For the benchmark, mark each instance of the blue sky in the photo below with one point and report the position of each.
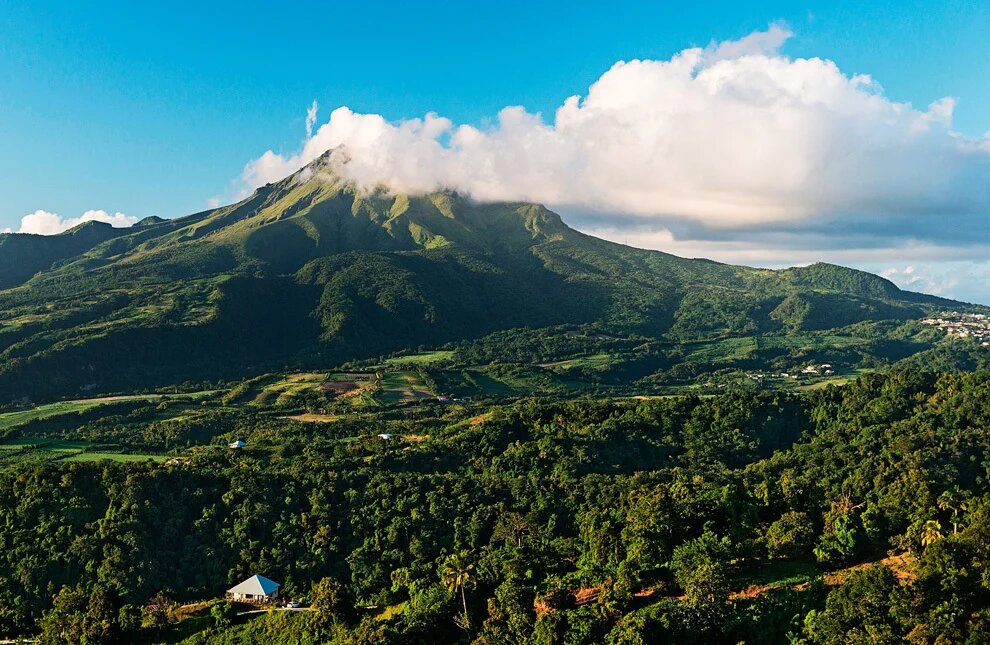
(154, 108)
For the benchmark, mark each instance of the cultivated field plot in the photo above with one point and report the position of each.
(12, 419)
(471, 382)
(422, 359)
(312, 417)
(353, 389)
(403, 387)
(726, 350)
(342, 384)
(27, 449)
(594, 362)
(281, 392)
(838, 379)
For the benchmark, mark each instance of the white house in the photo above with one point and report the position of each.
(255, 589)
(238, 444)
(385, 436)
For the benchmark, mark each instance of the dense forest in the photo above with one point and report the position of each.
(858, 513)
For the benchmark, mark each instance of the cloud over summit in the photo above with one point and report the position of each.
(733, 135)
(734, 151)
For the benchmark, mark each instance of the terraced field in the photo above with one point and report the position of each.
(403, 387)
(281, 392)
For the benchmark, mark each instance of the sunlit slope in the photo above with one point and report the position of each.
(312, 270)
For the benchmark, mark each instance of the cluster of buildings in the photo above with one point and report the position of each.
(443, 398)
(815, 370)
(825, 369)
(974, 326)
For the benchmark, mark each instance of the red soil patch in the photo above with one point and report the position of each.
(339, 388)
(902, 566)
(584, 595)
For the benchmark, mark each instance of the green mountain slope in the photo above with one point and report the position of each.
(22, 255)
(310, 271)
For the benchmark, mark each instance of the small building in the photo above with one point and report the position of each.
(238, 444)
(384, 436)
(257, 589)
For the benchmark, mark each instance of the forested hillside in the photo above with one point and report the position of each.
(311, 272)
(848, 514)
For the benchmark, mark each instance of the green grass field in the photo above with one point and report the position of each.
(840, 379)
(28, 449)
(595, 362)
(111, 456)
(12, 419)
(422, 359)
(722, 351)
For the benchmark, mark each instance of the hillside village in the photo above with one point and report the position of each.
(975, 326)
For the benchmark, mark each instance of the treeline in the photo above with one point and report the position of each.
(573, 522)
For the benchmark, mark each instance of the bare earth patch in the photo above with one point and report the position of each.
(313, 418)
(902, 566)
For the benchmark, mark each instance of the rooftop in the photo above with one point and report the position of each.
(256, 585)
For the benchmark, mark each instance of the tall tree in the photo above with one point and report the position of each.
(456, 572)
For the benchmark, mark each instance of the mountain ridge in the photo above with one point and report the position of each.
(311, 270)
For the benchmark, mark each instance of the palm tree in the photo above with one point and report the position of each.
(456, 574)
(952, 500)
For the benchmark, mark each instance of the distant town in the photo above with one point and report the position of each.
(975, 326)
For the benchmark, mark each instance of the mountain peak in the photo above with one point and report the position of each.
(151, 220)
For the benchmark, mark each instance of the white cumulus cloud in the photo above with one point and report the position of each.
(42, 222)
(733, 135)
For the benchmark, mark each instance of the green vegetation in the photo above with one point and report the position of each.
(422, 359)
(749, 516)
(14, 452)
(467, 422)
(10, 420)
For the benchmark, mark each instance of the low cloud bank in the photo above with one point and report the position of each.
(42, 222)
